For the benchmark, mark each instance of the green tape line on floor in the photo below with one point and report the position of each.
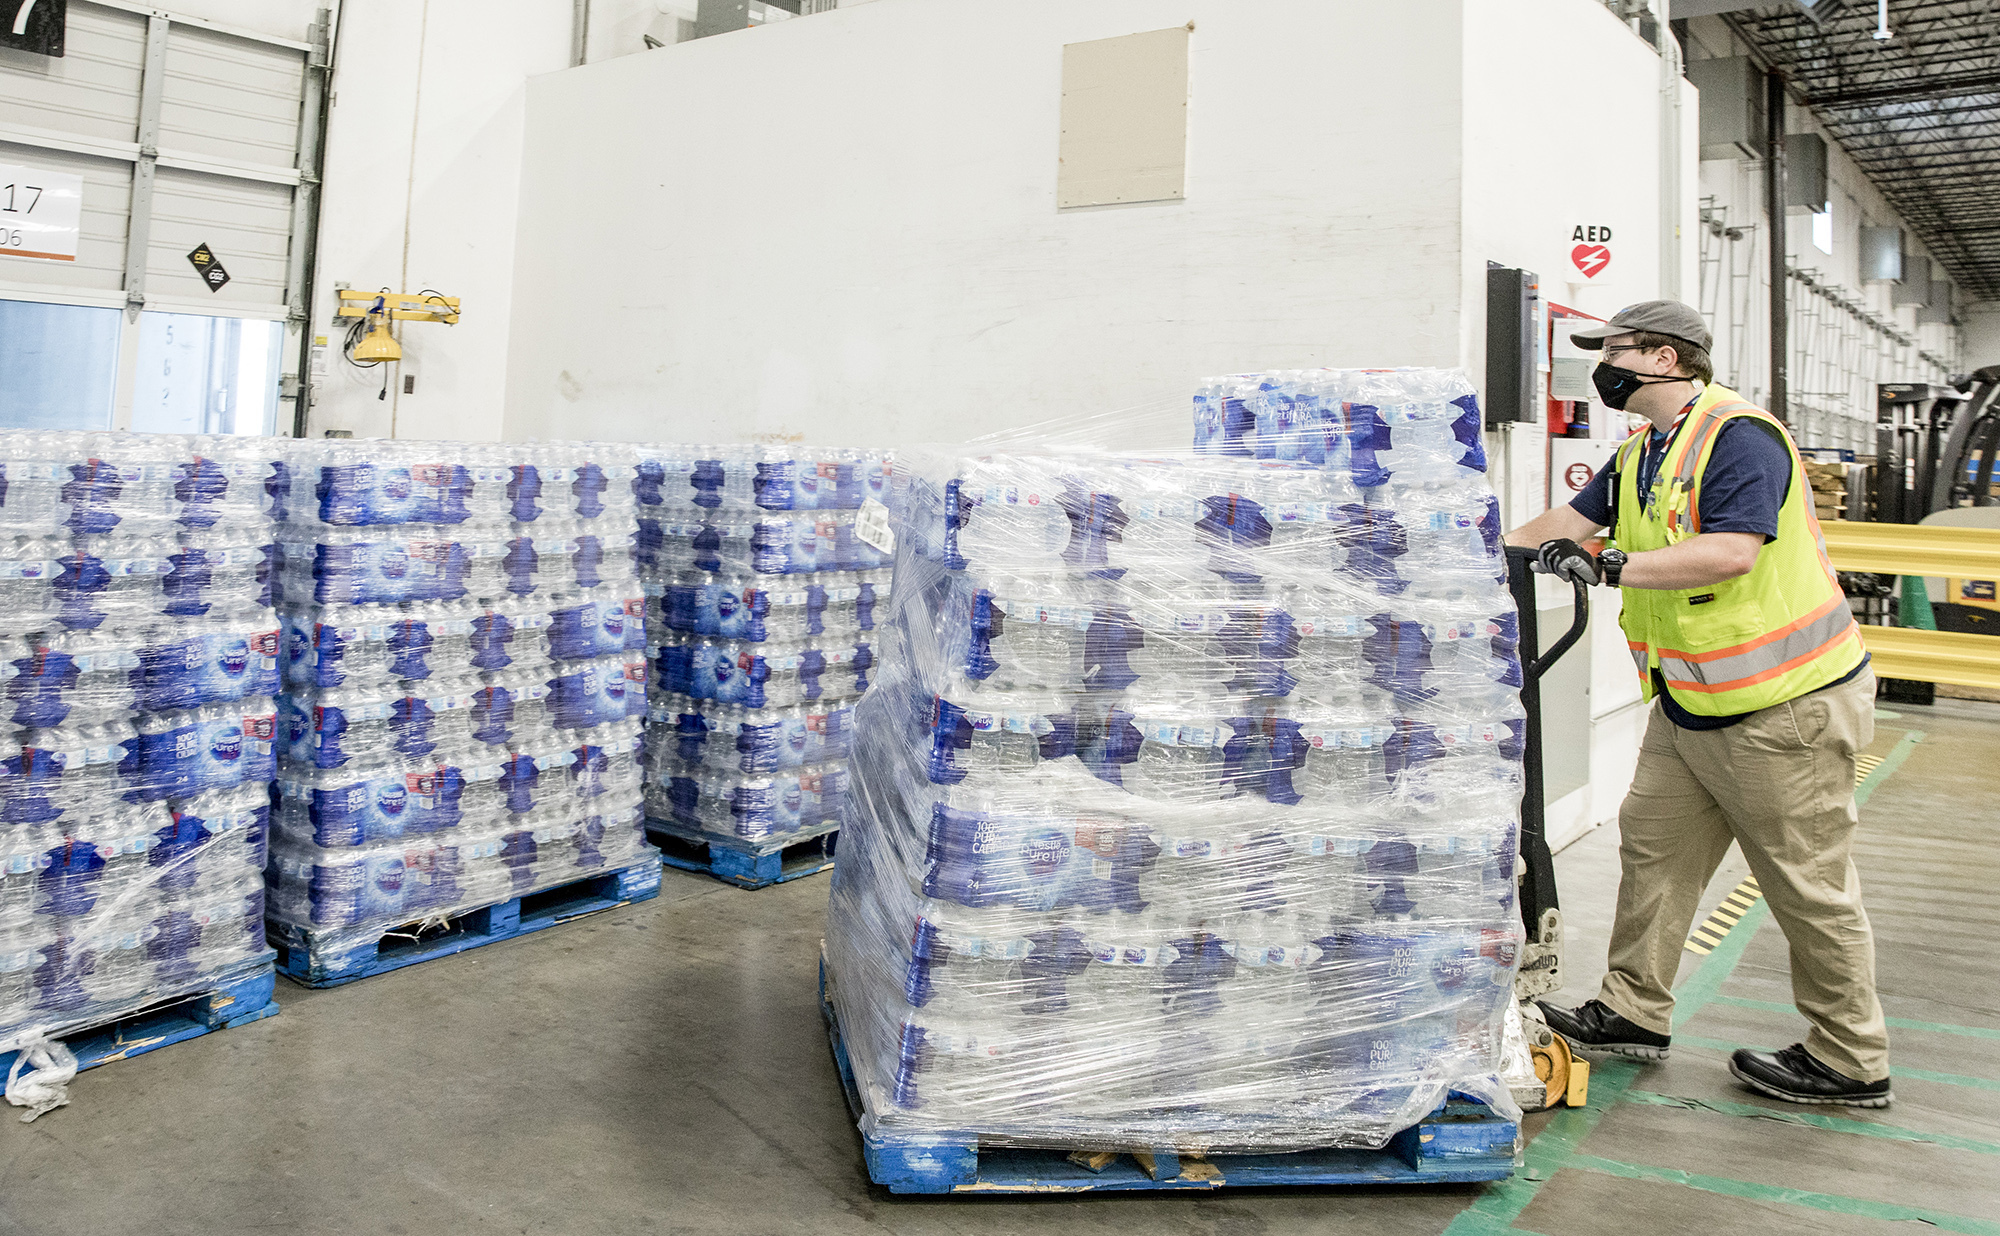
(1832, 1203)
(1503, 1201)
(1895, 1023)
(1890, 763)
(1814, 1120)
(1948, 1079)
(1556, 1146)
(1705, 983)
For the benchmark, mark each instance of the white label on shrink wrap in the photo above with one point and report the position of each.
(1411, 413)
(1332, 625)
(871, 524)
(1027, 723)
(1319, 845)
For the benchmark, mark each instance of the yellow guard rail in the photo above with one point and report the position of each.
(1949, 657)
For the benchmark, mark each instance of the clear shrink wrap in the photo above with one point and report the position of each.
(138, 720)
(464, 680)
(763, 598)
(1183, 808)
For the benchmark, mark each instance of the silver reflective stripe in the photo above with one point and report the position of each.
(1639, 659)
(1736, 669)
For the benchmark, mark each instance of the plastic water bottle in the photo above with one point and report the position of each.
(1016, 632)
(223, 481)
(35, 466)
(29, 566)
(1223, 424)
(338, 646)
(329, 728)
(110, 579)
(1009, 514)
(75, 676)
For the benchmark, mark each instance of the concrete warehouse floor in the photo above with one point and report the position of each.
(662, 1068)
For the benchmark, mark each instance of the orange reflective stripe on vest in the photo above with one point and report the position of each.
(1763, 658)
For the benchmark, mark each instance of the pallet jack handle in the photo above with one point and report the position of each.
(1540, 908)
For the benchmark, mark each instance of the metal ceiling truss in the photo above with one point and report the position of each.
(1918, 112)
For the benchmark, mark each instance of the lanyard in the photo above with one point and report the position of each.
(1655, 453)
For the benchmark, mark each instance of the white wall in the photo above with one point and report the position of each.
(1539, 157)
(844, 227)
(1539, 161)
(423, 175)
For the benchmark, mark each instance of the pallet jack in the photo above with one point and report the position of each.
(1540, 969)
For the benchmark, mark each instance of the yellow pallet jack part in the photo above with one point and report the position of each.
(1579, 1083)
(1554, 1065)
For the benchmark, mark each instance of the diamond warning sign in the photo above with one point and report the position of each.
(209, 266)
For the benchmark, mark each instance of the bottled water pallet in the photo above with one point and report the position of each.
(233, 997)
(310, 958)
(743, 864)
(1461, 1142)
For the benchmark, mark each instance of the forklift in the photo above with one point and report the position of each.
(1935, 446)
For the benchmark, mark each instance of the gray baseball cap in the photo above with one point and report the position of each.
(1661, 317)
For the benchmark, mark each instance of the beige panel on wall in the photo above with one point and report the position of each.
(1124, 120)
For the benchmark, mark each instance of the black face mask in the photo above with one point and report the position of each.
(1616, 386)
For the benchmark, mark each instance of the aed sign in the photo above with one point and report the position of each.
(41, 213)
(1590, 249)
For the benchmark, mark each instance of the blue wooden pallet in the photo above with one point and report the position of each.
(742, 864)
(234, 997)
(1461, 1142)
(307, 957)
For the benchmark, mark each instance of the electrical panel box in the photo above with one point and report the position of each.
(1513, 347)
(1938, 306)
(1915, 289)
(1805, 172)
(1732, 107)
(1881, 254)
(723, 16)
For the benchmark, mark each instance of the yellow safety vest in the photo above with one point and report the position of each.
(1746, 643)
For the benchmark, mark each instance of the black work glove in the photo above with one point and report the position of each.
(1567, 560)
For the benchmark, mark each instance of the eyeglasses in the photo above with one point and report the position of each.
(1628, 347)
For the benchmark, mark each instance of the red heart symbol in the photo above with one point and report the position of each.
(1590, 259)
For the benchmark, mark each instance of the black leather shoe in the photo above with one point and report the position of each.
(1796, 1077)
(1593, 1025)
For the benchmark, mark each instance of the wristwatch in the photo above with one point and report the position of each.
(1613, 562)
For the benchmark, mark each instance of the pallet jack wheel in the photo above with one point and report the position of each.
(1553, 1065)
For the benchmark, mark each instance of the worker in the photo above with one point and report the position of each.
(1762, 699)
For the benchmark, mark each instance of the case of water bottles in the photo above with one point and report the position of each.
(138, 720)
(464, 680)
(1183, 810)
(764, 600)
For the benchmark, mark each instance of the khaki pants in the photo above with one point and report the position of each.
(1780, 783)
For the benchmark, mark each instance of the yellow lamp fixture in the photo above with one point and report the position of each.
(379, 344)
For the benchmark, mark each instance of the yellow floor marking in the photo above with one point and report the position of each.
(1723, 918)
(1865, 764)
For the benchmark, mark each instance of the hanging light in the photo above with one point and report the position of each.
(379, 345)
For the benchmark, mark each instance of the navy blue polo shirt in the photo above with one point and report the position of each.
(1748, 477)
